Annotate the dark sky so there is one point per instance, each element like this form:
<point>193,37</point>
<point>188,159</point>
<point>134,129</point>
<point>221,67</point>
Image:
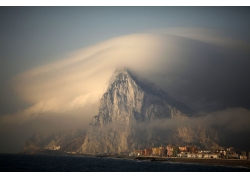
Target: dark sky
<point>56,61</point>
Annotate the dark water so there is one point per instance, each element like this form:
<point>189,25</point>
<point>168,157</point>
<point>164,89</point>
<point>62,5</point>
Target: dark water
<point>51,163</point>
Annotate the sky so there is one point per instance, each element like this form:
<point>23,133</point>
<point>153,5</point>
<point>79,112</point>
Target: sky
<point>55,62</point>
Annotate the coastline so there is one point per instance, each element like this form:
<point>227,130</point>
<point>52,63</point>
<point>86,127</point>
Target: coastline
<point>216,162</point>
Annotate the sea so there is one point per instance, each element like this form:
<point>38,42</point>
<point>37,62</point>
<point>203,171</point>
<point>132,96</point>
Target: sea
<point>78,163</point>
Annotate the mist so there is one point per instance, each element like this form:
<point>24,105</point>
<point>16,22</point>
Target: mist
<point>231,119</point>
<point>199,67</point>
<point>223,128</point>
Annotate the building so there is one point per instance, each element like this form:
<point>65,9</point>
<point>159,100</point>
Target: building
<point>147,152</point>
<point>200,155</point>
<point>243,153</point>
<point>184,149</point>
<point>243,157</point>
<point>131,154</point>
<point>191,155</point>
<point>214,155</point>
<point>138,152</point>
<point>170,150</point>
<point>182,154</point>
<point>206,155</point>
<point>193,149</point>
<point>176,151</point>
<point>155,151</point>
<point>232,155</point>
<point>162,151</point>
<point>231,149</point>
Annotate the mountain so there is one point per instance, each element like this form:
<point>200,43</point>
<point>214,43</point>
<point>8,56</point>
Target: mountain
<point>63,141</point>
<point>132,115</point>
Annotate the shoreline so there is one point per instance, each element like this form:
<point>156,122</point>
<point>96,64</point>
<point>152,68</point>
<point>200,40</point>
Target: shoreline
<point>216,162</point>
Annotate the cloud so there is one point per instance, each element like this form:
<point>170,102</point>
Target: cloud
<point>82,67</point>
<point>199,67</point>
<point>231,119</point>
<point>210,36</point>
<point>82,77</point>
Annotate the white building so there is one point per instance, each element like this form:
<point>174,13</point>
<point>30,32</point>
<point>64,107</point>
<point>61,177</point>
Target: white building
<point>232,155</point>
<point>206,155</point>
<point>199,155</point>
<point>182,154</point>
<point>191,155</point>
<point>243,157</point>
<point>212,156</point>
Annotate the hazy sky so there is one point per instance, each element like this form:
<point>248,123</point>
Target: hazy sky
<point>55,62</point>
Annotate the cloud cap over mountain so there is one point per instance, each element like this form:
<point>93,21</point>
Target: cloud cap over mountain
<point>204,70</point>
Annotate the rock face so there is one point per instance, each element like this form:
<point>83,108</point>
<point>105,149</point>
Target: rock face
<point>127,118</point>
<point>128,100</point>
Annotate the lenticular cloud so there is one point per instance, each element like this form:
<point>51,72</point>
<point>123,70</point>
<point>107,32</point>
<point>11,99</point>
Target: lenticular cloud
<point>80,79</point>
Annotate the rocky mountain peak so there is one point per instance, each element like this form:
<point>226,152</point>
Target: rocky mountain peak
<point>121,74</point>
<point>126,105</point>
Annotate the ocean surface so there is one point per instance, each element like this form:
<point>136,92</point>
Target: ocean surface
<point>67,163</point>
